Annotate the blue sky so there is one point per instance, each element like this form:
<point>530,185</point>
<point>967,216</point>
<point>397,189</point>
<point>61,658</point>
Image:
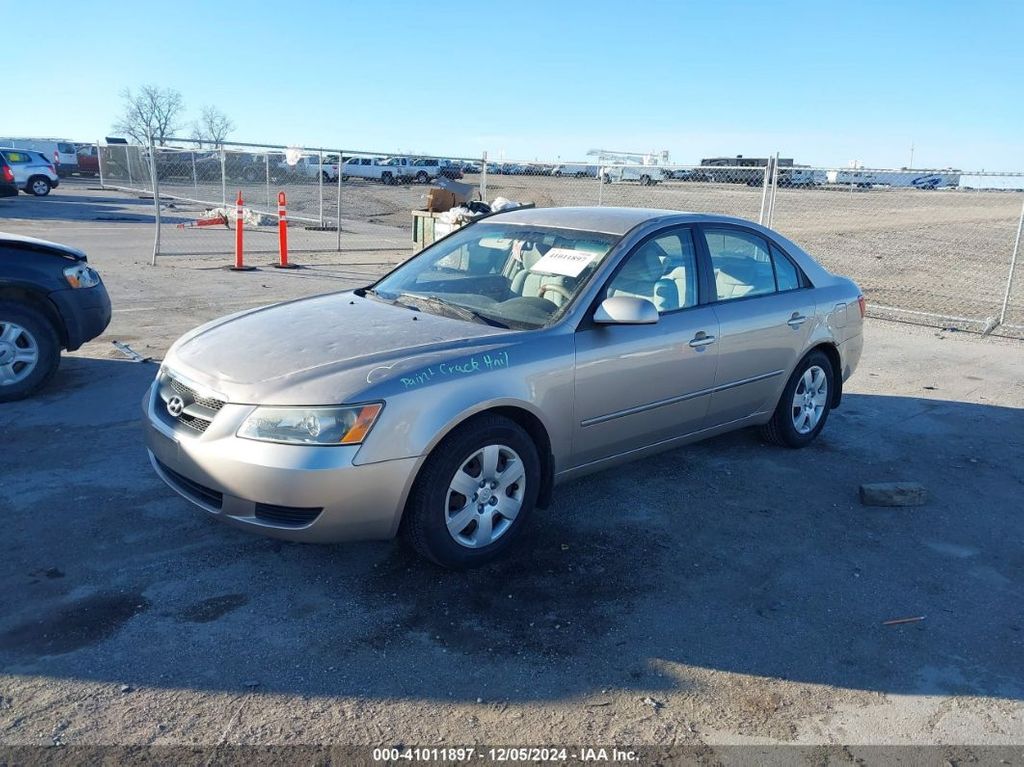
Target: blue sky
<point>822,82</point>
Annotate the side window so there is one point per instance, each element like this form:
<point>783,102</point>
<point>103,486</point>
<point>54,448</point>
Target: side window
<point>741,264</point>
<point>17,158</point>
<point>662,270</point>
<point>787,277</point>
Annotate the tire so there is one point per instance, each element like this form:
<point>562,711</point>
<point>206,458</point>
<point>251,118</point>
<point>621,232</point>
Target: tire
<point>422,177</point>
<point>434,505</point>
<point>782,429</point>
<point>38,186</point>
<point>387,178</point>
<point>645,180</point>
<point>22,328</point>
<point>249,174</point>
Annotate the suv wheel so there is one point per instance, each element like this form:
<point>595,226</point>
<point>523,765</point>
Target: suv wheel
<point>473,494</point>
<point>422,177</point>
<point>38,185</point>
<point>29,350</point>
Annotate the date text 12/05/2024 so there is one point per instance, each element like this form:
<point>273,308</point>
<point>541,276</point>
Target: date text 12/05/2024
<point>468,366</point>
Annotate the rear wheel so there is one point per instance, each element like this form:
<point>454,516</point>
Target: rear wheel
<point>29,350</point>
<point>473,494</point>
<point>38,185</point>
<point>805,404</point>
<point>645,180</point>
<point>387,178</point>
<point>422,177</point>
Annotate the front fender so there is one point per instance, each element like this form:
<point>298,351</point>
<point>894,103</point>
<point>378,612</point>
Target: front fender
<point>538,379</point>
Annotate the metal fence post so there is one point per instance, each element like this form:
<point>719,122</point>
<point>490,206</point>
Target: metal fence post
<point>600,186</point>
<point>223,178</point>
<point>99,161</point>
<point>1013,266</point>
<point>341,162</point>
<point>195,176</point>
<point>775,188</point>
<point>320,183</point>
<point>128,162</point>
<point>483,178</point>
<point>764,192</point>
<point>156,200</point>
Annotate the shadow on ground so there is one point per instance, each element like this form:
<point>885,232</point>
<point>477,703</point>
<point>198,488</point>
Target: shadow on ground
<point>728,556</point>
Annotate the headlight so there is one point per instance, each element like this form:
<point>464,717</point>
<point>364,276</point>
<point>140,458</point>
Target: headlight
<point>81,276</point>
<point>311,425</point>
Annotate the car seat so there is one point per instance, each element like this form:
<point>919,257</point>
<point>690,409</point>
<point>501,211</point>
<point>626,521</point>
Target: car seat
<point>642,277</point>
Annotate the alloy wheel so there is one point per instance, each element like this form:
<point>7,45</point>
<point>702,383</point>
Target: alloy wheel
<point>809,399</point>
<point>19,353</point>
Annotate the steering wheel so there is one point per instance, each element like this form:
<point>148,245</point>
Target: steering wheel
<point>556,289</point>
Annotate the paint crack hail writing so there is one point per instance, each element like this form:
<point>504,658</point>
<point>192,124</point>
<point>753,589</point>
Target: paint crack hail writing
<point>464,367</point>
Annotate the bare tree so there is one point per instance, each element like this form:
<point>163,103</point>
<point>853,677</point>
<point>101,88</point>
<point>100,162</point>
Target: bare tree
<point>212,128</point>
<point>151,111</point>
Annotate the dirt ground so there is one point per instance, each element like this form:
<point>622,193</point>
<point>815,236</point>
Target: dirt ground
<point>726,593</point>
<point>941,252</point>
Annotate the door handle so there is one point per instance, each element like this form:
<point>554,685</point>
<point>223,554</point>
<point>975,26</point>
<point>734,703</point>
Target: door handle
<point>796,320</point>
<point>701,339</point>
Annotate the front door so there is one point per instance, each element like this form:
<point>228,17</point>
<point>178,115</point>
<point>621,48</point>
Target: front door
<point>637,385</point>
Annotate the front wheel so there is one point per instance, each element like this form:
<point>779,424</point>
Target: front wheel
<point>422,177</point>
<point>805,404</point>
<point>473,494</point>
<point>39,186</point>
<point>29,350</point>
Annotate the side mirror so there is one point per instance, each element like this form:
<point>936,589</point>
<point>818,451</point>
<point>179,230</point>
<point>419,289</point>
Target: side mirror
<point>626,310</point>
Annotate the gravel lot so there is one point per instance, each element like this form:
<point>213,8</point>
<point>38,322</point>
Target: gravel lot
<point>944,252</point>
<point>729,592</point>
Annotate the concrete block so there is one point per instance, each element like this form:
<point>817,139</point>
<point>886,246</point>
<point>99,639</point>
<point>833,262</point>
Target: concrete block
<point>893,494</point>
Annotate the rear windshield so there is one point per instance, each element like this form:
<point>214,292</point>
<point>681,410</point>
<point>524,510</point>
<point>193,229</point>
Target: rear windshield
<point>65,148</point>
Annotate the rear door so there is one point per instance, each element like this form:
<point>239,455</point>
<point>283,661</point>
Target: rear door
<point>765,310</point>
<point>20,162</point>
<point>637,385</point>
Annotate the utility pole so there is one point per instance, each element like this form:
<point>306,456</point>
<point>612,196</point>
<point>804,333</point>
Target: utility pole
<point>911,167</point>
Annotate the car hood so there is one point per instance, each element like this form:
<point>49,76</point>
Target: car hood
<point>323,350</point>
<point>24,242</point>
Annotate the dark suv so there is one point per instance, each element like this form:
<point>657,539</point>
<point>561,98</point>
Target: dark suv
<point>8,187</point>
<point>50,299</point>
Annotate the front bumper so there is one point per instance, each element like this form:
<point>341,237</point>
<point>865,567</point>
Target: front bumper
<point>85,311</point>
<point>295,492</point>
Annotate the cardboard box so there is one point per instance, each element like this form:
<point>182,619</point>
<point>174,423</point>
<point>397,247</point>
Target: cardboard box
<point>440,200</point>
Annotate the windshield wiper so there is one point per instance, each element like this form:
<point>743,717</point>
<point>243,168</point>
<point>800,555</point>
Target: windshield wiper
<point>410,299</point>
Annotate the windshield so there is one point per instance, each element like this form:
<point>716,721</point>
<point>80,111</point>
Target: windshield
<point>515,276</point>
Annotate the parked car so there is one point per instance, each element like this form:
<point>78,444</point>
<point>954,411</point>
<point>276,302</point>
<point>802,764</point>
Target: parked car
<point>575,170</point>
<point>408,169</point>
<point>8,187</point>
<point>534,346</point>
<point>310,167</point>
<point>688,174</point>
<point>451,170</point>
<point>88,160</point>
<point>371,168</point>
<point>63,154</point>
<point>33,173</point>
<point>50,299</point>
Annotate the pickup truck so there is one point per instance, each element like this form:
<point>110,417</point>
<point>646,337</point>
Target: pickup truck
<point>391,171</point>
<point>309,167</point>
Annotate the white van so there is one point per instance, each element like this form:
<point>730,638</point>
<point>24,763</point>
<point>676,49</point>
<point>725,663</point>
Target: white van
<point>61,152</point>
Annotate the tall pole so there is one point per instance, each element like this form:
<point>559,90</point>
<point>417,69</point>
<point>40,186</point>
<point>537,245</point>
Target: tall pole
<point>911,166</point>
<point>156,200</point>
<point>341,162</point>
<point>1013,266</point>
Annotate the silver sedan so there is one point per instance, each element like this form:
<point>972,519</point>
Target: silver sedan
<point>446,401</point>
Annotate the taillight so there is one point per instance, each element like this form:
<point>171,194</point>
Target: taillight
<point>862,305</point>
<point>56,159</point>
<point>8,173</point>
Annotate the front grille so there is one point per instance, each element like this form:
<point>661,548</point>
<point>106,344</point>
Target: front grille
<point>199,410</point>
<point>286,516</point>
<point>207,402</point>
<point>191,488</point>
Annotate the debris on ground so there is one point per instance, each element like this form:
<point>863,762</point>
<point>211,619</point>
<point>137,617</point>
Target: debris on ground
<point>898,621</point>
<point>893,494</point>
<point>129,352</point>
<point>655,704</point>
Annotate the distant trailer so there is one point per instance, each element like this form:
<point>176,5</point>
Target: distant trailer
<point>911,179</point>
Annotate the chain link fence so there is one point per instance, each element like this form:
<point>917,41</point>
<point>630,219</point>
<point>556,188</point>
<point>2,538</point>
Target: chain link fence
<point>930,247</point>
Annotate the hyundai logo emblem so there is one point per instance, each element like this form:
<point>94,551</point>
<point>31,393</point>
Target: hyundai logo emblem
<point>175,405</point>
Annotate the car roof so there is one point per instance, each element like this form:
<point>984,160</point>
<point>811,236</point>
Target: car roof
<point>600,219</point>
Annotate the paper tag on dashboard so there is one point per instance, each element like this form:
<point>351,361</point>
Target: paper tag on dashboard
<point>563,261</point>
